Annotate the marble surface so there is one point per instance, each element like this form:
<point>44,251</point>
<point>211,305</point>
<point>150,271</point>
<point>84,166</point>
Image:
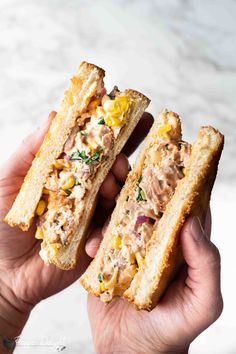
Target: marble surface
<point>181,53</point>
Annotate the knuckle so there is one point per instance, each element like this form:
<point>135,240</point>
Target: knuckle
<point>214,258</point>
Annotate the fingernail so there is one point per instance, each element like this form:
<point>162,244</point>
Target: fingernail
<point>196,229</point>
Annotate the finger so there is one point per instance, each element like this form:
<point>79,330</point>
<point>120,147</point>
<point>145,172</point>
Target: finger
<point>109,188</point>
<point>21,160</point>
<point>203,260</point>
<point>93,242</point>
<point>138,134</point>
<point>208,223</point>
<point>120,168</point>
<point>107,204</point>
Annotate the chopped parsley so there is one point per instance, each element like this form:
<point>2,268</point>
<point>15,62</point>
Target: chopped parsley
<point>56,222</point>
<point>68,191</point>
<point>139,179</point>
<point>141,195</point>
<point>127,198</point>
<point>81,155</point>
<point>83,133</point>
<point>77,183</point>
<point>101,121</point>
<point>167,146</point>
<point>100,278</point>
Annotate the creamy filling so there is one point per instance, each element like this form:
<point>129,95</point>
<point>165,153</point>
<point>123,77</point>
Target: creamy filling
<point>88,145</point>
<point>163,167</point>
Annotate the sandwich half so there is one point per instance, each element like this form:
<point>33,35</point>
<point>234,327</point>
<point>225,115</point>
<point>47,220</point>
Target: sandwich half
<point>140,251</point>
<point>62,185</point>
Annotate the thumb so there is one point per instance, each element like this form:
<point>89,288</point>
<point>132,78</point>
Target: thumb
<point>203,260</point>
<point>20,161</point>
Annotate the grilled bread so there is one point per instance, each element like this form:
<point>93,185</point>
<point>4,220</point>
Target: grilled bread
<point>61,187</point>
<point>140,252</point>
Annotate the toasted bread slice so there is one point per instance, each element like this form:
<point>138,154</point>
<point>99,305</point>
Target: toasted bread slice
<point>84,85</point>
<point>89,278</point>
<point>66,257</point>
<point>75,101</point>
<point>192,194</point>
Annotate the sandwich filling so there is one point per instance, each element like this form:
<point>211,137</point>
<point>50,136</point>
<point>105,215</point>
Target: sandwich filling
<point>87,147</point>
<point>163,166</point>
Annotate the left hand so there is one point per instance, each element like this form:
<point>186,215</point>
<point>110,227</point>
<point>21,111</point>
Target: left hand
<point>24,279</point>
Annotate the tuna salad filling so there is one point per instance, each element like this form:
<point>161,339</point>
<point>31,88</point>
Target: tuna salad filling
<point>90,141</point>
<point>163,167</point>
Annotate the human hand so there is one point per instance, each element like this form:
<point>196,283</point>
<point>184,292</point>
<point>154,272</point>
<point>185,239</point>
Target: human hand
<point>24,279</point>
<point>192,303</point>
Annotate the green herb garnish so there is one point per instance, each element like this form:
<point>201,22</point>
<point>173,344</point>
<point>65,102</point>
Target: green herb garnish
<point>139,179</point>
<point>167,146</point>
<point>68,191</point>
<point>141,195</point>
<point>81,155</point>
<point>77,183</point>
<point>56,222</point>
<point>83,133</point>
<point>100,278</point>
<point>101,121</point>
<point>127,198</point>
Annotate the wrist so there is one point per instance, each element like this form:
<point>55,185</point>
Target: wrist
<point>141,349</point>
<point>12,321</point>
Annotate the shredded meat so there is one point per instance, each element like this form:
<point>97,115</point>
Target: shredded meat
<point>143,211</point>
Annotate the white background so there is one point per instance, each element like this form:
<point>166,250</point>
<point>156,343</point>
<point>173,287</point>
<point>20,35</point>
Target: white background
<point>182,54</point>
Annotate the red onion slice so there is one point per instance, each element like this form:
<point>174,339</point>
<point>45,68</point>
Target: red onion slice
<point>141,219</point>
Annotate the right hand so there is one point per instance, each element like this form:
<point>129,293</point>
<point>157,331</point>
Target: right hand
<point>192,302</point>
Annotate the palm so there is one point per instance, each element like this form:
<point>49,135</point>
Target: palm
<point>136,329</point>
<point>27,275</point>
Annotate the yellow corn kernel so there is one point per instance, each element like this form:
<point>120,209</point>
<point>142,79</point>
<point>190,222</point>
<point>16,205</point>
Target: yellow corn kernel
<point>69,183</point>
<point>120,104</point>
<point>39,233</point>
<point>55,247</point>
<point>113,121</point>
<point>69,97</point>
<point>155,157</point>
<point>61,192</point>
<point>59,164</point>
<point>102,286</point>
<point>123,102</point>
<point>165,128</point>
<point>116,242</point>
<point>109,105</point>
<point>74,80</point>
<point>41,207</point>
<point>139,259</point>
<point>46,191</point>
<point>94,103</point>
